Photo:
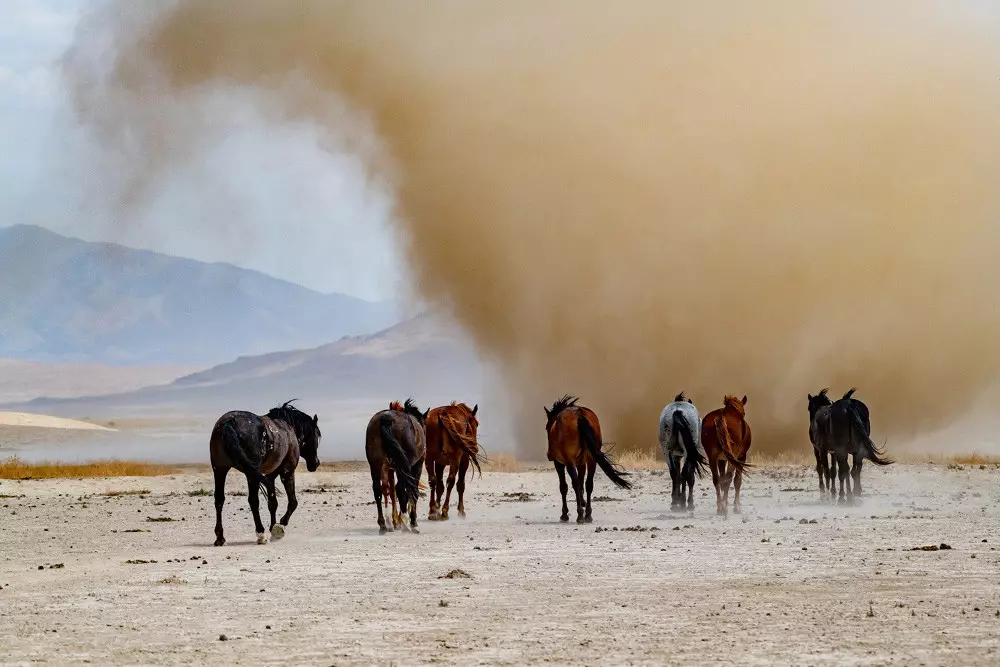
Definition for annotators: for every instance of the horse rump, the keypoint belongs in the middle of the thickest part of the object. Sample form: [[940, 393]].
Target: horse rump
[[589, 439], [695, 460], [856, 422], [231, 445], [463, 440], [726, 445]]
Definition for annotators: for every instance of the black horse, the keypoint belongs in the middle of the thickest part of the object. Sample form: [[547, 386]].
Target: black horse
[[842, 429], [826, 464], [396, 444], [263, 448]]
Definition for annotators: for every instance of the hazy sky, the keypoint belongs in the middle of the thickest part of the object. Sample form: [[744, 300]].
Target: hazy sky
[[278, 204]]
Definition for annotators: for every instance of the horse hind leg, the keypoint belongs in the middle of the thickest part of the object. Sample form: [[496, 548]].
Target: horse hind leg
[[690, 487], [563, 489], [859, 461], [844, 473], [722, 489], [588, 515], [253, 496], [737, 505], [288, 482], [436, 488], [377, 491], [577, 478], [676, 485], [220, 499], [412, 502], [397, 517], [463, 468], [452, 473]]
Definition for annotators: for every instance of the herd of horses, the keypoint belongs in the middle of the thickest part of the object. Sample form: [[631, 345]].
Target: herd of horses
[[401, 441]]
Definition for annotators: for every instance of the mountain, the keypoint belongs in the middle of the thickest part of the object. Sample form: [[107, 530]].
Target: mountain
[[421, 357], [68, 300]]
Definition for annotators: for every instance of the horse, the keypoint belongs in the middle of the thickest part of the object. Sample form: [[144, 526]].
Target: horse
[[826, 464], [846, 429], [680, 442], [725, 434], [451, 443], [575, 444], [262, 448], [395, 444]]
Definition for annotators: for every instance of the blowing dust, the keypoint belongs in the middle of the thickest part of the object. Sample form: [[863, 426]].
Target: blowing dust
[[624, 200]]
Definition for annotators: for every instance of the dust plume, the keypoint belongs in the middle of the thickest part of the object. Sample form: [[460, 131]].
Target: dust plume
[[623, 200]]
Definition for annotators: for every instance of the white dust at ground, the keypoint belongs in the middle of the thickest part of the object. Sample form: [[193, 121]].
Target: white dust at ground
[[770, 587], [45, 421]]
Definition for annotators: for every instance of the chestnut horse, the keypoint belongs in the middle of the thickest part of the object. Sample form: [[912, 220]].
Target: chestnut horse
[[725, 435], [395, 444], [575, 444], [451, 443], [262, 448]]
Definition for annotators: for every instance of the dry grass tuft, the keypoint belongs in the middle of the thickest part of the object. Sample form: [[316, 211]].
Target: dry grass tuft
[[129, 492], [503, 463], [638, 460], [14, 468], [172, 579]]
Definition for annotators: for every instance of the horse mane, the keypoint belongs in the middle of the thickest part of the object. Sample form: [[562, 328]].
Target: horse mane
[[294, 417], [680, 398], [408, 407], [822, 396], [730, 401], [566, 401], [849, 394]]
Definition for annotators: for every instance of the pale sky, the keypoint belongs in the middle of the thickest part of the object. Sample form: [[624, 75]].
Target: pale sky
[[278, 204]]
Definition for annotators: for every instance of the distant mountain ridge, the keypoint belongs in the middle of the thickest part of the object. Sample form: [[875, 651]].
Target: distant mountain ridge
[[67, 300]]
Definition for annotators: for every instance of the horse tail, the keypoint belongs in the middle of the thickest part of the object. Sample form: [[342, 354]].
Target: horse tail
[[872, 451], [726, 444], [695, 458], [394, 451], [233, 448], [466, 442], [588, 438]]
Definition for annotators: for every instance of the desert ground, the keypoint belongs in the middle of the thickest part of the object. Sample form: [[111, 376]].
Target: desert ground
[[123, 571]]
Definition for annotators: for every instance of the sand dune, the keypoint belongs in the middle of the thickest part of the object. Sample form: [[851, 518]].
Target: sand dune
[[45, 421]]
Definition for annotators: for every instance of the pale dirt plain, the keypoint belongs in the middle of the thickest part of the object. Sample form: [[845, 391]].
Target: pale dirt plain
[[792, 581]]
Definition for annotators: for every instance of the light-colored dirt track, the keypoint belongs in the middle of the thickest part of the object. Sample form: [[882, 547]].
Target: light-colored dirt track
[[762, 588]]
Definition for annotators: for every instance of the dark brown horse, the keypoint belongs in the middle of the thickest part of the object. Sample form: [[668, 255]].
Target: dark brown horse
[[395, 444], [263, 448], [451, 443], [845, 429], [826, 465], [725, 435], [575, 444]]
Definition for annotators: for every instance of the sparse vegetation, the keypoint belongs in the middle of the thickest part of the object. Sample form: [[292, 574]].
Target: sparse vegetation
[[172, 579], [637, 460], [503, 463], [200, 492], [14, 468], [129, 492]]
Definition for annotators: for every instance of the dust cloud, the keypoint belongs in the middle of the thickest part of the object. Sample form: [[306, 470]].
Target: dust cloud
[[624, 200]]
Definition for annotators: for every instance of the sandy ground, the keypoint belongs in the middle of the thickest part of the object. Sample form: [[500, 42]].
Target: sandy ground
[[791, 581]]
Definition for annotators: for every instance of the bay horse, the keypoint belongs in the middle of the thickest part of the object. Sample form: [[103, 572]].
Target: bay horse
[[680, 442], [846, 429], [263, 448], [451, 443], [395, 444], [575, 444], [725, 434]]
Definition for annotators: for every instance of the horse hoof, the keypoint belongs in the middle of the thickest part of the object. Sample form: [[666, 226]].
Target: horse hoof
[[443, 517], [261, 538], [461, 514], [564, 517], [433, 517], [676, 508], [382, 530], [413, 529], [580, 519], [277, 531], [221, 541], [588, 519]]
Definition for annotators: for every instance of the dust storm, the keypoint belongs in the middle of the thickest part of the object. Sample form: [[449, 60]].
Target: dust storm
[[624, 200]]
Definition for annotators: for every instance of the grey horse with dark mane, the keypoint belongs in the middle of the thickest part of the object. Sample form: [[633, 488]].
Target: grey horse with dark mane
[[396, 444], [263, 448], [844, 428]]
